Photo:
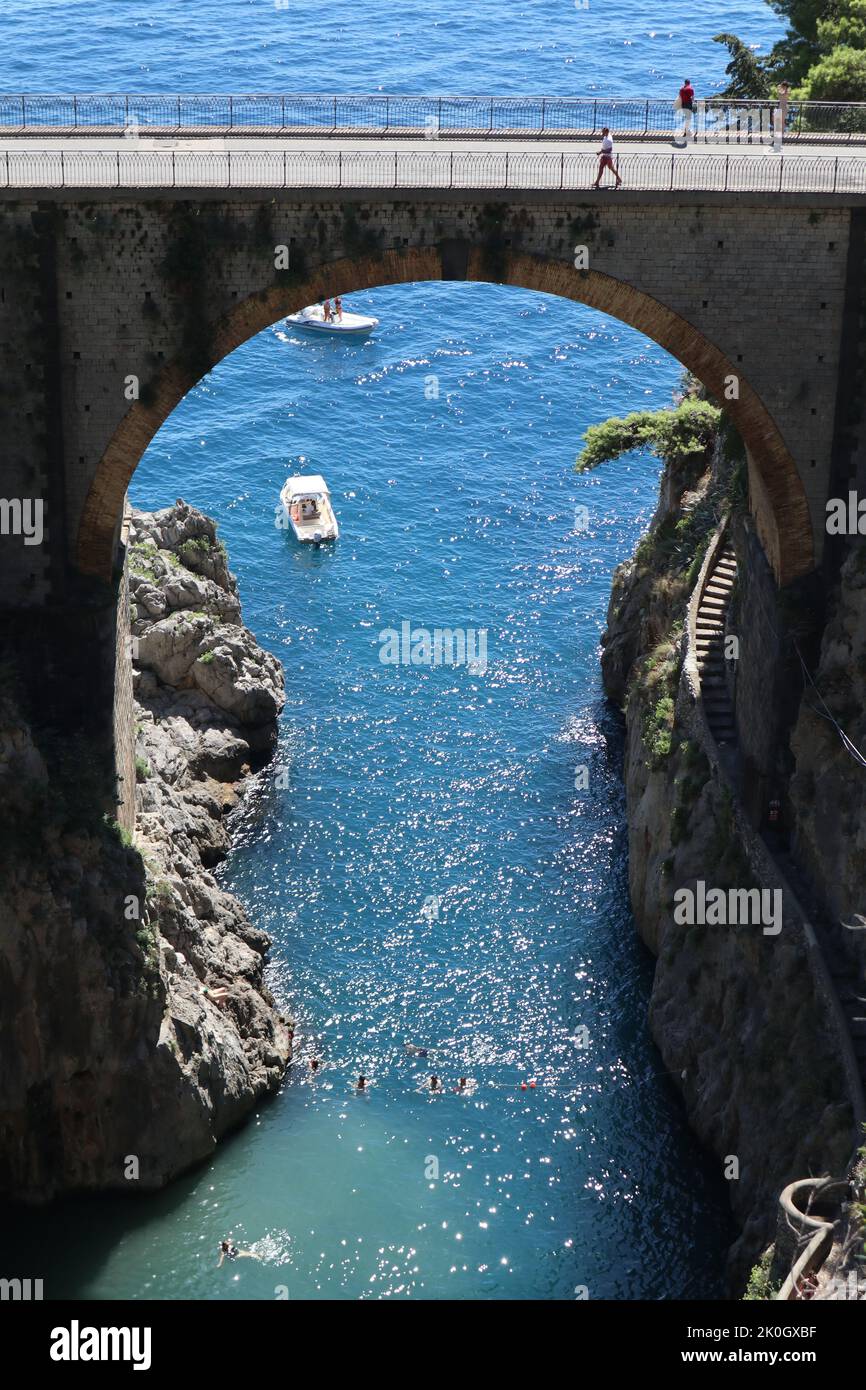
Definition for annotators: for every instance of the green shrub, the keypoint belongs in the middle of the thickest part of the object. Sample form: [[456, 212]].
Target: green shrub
[[118, 831], [658, 731], [760, 1285]]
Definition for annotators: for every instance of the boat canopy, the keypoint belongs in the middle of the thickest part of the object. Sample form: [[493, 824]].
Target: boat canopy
[[307, 485]]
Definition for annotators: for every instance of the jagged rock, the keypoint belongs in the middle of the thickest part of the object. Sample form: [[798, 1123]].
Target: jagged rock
[[735, 1014], [828, 789], [110, 1045], [200, 725], [188, 534], [241, 679]]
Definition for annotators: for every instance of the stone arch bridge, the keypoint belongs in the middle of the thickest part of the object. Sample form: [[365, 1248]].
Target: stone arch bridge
[[98, 286]]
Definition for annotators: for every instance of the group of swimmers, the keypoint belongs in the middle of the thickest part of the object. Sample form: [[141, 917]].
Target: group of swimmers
[[412, 1050], [435, 1084]]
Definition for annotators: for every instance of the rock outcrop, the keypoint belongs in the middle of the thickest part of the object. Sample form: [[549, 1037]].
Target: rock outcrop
[[735, 1013], [828, 786], [135, 1024]]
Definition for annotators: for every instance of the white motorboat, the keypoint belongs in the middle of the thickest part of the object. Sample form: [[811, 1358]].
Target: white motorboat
[[351, 325], [306, 504]]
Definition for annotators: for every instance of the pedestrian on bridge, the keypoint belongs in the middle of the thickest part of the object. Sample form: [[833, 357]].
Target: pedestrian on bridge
[[780, 115], [605, 158], [686, 100]]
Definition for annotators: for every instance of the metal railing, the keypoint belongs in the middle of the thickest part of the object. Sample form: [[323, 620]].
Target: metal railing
[[679, 171], [489, 117]]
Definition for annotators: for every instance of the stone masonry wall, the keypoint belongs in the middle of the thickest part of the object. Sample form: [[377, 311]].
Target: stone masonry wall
[[157, 287], [124, 711]]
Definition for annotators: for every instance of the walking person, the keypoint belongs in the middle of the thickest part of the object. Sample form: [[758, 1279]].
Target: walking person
[[780, 115], [605, 159], [687, 106]]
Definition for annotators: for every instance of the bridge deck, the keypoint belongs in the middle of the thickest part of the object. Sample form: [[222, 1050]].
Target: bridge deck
[[219, 160], [742, 138]]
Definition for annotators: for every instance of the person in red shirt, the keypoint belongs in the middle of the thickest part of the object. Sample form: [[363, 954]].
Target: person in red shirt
[[687, 103]]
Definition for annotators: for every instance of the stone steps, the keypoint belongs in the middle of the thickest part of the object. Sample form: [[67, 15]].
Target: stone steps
[[709, 641]]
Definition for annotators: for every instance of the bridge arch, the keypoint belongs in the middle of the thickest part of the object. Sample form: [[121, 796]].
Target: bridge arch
[[778, 498]]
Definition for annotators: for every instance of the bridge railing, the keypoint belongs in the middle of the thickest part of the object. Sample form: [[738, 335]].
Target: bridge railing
[[716, 119], [683, 171]]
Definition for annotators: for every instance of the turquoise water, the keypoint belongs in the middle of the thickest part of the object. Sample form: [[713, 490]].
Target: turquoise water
[[430, 873]]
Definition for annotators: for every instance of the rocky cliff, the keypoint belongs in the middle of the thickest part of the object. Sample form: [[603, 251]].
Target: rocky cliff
[[735, 1013], [135, 1024], [828, 783]]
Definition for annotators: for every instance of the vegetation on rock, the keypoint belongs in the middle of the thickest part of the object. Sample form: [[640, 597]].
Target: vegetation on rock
[[823, 55]]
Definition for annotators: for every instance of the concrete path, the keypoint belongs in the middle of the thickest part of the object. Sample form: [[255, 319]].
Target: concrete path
[[280, 161]]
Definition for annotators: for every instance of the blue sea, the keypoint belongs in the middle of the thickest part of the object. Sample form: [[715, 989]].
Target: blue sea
[[434, 868]]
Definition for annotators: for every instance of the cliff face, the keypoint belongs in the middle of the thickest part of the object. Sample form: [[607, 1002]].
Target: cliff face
[[120, 1068], [734, 1012], [828, 786]]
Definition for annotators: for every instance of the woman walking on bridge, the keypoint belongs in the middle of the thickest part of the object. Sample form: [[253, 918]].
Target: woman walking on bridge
[[605, 158]]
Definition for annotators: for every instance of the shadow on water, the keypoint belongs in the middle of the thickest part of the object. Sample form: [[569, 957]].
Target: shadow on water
[[95, 1226], [704, 1193]]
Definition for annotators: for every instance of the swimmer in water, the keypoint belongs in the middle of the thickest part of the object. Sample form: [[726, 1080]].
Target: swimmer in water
[[462, 1083], [362, 1083], [229, 1251], [435, 1084], [314, 1064], [414, 1050]]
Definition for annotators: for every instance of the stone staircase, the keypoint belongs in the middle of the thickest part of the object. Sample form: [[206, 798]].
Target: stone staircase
[[710, 642]]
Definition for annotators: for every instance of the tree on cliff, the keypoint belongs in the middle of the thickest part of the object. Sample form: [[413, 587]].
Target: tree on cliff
[[823, 54], [674, 436], [748, 74]]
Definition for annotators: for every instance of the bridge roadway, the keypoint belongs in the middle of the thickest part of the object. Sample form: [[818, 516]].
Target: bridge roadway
[[222, 160]]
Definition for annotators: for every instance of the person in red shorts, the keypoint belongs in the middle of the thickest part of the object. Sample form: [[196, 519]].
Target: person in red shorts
[[605, 158]]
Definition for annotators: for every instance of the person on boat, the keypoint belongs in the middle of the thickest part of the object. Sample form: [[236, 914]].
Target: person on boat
[[338, 307], [605, 158], [326, 311]]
